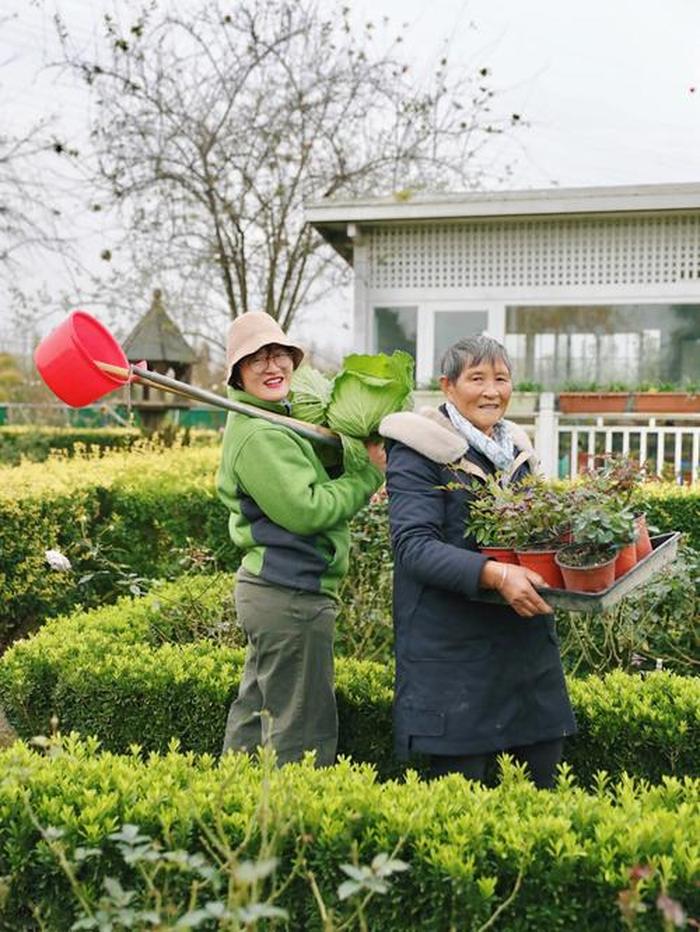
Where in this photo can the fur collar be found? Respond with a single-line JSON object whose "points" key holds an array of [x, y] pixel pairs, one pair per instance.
{"points": [[429, 432]]}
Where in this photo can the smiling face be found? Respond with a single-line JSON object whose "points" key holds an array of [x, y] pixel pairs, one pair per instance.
{"points": [[480, 393], [267, 374]]}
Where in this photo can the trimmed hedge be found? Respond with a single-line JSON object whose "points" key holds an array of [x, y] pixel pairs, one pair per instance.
{"points": [[124, 519], [108, 673], [35, 444], [32, 443], [121, 520], [561, 859], [674, 508]]}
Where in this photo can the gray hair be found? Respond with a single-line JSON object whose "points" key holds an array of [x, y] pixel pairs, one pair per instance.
{"points": [[471, 351]]}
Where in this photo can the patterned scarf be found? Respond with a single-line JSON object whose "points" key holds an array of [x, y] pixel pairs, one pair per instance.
{"points": [[498, 448]]}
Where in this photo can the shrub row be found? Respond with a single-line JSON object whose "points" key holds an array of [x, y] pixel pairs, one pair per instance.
{"points": [[125, 518], [674, 508], [108, 673], [32, 443], [120, 519], [35, 444], [565, 859]]}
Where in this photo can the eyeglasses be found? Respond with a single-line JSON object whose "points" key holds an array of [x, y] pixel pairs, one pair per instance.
{"points": [[282, 358]]}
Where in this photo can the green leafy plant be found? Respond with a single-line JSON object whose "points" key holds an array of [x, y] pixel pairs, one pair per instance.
{"points": [[311, 395], [365, 390], [495, 514], [555, 860], [598, 531], [614, 477], [542, 514], [527, 385], [84, 667]]}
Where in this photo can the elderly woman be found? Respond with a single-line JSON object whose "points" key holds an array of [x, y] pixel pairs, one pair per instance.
{"points": [[290, 521], [472, 678]]}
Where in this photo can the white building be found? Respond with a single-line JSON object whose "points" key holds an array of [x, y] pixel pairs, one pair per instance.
{"points": [[583, 285]]}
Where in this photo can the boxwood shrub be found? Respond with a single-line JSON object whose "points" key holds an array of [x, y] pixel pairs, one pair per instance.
{"points": [[121, 519], [33, 443], [127, 518], [109, 673], [564, 859]]}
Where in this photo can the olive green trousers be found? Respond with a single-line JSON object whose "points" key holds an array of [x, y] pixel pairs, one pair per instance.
{"points": [[286, 697]]}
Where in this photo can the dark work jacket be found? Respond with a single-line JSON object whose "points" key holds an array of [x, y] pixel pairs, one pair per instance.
{"points": [[471, 677]]}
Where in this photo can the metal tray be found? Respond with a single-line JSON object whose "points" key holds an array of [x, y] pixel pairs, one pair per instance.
{"points": [[665, 548]]}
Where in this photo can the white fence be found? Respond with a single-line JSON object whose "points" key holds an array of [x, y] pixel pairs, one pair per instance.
{"points": [[567, 444]]}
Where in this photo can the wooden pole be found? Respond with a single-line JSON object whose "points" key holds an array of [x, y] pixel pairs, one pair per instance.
{"points": [[164, 383]]}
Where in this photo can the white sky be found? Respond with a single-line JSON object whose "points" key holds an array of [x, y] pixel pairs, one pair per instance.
{"points": [[610, 88]]}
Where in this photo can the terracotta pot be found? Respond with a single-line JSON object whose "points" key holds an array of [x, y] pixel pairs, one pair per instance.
{"points": [[643, 542], [588, 578], [501, 554], [666, 403], [625, 560], [542, 562], [593, 402]]}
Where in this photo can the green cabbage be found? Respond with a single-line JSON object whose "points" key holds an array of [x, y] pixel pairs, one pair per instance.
{"points": [[365, 390], [354, 402], [311, 393]]}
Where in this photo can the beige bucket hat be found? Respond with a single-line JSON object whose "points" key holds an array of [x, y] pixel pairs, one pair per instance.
{"points": [[250, 332]]}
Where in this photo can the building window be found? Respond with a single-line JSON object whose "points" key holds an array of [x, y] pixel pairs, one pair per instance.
{"points": [[451, 326], [395, 328], [626, 345]]}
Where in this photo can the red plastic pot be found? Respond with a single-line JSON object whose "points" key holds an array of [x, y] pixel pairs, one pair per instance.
{"points": [[67, 357], [588, 578], [625, 560], [501, 554], [643, 542], [542, 562]]}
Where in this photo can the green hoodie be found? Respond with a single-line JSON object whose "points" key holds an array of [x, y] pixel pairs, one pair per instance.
{"points": [[288, 516]]}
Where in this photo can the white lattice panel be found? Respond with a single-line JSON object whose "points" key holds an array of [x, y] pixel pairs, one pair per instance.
{"points": [[537, 253]]}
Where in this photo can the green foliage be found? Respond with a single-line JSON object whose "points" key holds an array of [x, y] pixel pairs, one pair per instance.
{"points": [[36, 444], [110, 673], [554, 860], [364, 628], [365, 390], [535, 513], [598, 530], [311, 394], [670, 507], [655, 625], [121, 520], [124, 519]]}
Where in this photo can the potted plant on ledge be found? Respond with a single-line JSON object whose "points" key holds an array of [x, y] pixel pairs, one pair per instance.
{"points": [[667, 398], [595, 399]]}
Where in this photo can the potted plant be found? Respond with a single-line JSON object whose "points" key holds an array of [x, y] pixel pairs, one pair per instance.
{"points": [[667, 398], [591, 398], [524, 400], [619, 479], [541, 522], [492, 520], [599, 531]]}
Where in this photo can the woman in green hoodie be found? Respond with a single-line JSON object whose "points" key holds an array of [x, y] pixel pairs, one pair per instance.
{"points": [[289, 519]]}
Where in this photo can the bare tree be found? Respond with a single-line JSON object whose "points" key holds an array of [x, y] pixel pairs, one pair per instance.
{"points": [[213, 128], [26, 219], [29, 215]]}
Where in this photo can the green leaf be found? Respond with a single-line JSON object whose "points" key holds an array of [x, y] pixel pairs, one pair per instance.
{"points": [[367, 389]]}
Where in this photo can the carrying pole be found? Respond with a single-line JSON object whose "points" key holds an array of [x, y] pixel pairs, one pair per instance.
{"points": [[165, 383]]}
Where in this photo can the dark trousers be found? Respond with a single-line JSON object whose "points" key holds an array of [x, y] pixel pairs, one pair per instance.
{"points": [[286, 695], [541, 760]]}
